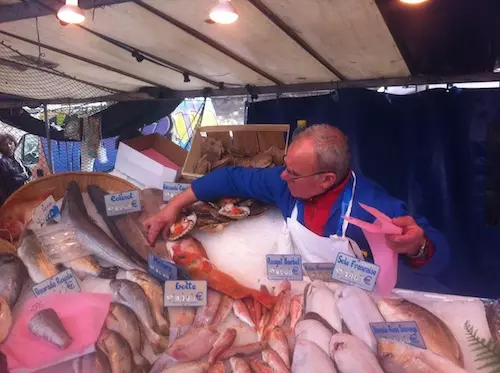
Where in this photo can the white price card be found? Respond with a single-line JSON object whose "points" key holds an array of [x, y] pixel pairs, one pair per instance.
{"points": [[46, 211], [123, 203], [355, 272], [63, 282], [284, 267], [170, 190], [185, 294], [399, 331]]}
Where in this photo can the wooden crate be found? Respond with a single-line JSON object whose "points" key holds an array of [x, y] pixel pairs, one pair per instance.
{"points": [[252, 138]]}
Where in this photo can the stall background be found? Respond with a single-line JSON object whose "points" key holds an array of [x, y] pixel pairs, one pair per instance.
{"points": [[428, 149]]}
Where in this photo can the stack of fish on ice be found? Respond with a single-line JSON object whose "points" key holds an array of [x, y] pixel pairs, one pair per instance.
{"points": [[323, 328]]}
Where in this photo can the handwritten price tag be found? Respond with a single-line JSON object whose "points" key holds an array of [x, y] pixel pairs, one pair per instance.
{"points": [[355, 272], [122, 203], [284, 267], [63, 282], [185, 294], [403, 331]]}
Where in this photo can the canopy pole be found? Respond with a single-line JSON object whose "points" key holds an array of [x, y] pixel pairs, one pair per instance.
{"points": [[49, 142]]}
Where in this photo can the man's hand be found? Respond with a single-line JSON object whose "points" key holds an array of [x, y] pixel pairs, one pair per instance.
{"points": [[161, 223], [408, 242]]}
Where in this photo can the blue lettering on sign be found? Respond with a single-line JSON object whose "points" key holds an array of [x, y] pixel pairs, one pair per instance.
{"points": [[122, 203], [161, 269], [402, 331], [284, 267], [185, 293], [186, 285], [62, 282], [355, 272]]}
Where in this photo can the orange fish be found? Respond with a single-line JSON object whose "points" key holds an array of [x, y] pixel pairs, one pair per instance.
{"points": [[187, 244], [16, 214], [200, 268]]}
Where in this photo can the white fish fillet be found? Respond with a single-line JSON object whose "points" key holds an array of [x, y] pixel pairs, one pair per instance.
{"points": [[358, 310], [309, 358], [320, 299], [352, 355], [314, 331]]}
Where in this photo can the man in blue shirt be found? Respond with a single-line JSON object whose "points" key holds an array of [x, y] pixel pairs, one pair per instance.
{"points": [[314, 191]]}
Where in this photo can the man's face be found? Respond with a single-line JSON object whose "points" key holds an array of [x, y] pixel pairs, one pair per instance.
{"points": [[8, 147], [301, 173]]}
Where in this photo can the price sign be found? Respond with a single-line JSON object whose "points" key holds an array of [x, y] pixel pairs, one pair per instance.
{"points": [[161, 269], [63, 282], [46, 211], [284, 267], [402, 331], [122, 203], [185, 294], [170, 190], [355, 272]]}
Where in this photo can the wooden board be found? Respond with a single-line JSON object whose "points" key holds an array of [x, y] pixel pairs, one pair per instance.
{"points": [[253, 37], [350, 34], [80, 42]]}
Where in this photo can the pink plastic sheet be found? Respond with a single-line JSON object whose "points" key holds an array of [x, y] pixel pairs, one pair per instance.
{"points": [[383, 256], [82, 314]]}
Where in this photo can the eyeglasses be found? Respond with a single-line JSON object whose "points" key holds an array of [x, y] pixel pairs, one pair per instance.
{"points": [[291, 177]]}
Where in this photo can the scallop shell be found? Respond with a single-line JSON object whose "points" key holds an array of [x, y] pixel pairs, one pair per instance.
{"points": [[228, 211], [187, 223]]}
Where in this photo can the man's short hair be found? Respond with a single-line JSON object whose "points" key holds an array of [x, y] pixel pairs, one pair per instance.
{"points": [[331, 147]]}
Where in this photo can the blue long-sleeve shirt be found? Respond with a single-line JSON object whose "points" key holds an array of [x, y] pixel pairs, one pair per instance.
{"points": [[266, 185]]}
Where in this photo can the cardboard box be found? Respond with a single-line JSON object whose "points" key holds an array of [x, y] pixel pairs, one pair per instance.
{"points": [[252, 138], [147, 171]]}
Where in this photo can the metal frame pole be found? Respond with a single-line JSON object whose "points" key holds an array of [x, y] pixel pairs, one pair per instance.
{"points": [[49, 142]]}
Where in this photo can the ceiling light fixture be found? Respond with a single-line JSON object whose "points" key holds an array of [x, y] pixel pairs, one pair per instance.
{"points": [[71, 12], [224, 13], [413, 1]]}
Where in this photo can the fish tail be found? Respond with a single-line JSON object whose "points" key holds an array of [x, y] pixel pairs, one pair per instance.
{"points": [[267, 300], [108, 273]]}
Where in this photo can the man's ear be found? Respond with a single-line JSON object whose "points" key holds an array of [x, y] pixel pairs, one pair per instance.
{"points": [[330, 179]]}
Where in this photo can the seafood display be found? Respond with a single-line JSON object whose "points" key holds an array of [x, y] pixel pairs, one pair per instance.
{"points": [[310, 327]]}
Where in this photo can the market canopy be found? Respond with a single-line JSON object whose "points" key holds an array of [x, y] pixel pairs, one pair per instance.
{"points": [[169, 47]]}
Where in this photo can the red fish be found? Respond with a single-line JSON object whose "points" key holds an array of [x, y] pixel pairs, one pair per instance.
{"points": [[186, 244], [200, 268]]}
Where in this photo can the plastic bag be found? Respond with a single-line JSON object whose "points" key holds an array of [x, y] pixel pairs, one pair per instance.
{"points": [[82, 314]]}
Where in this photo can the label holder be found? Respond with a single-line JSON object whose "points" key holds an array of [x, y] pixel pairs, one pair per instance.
{"points": [[63, 282], [355, 272], [123, 203], [185, 294], [284, 267], [406, 332]]}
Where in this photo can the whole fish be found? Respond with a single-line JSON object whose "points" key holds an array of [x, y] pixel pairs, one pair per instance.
{"points": [[358, 310], [131, 295], [250, 305], [123, 229], [116, 348], [225, 340], [279, 343], [47, 325], [218, 367], [295, 310], [154, 293], [265, 315], [5, 319], [284, 285], [163, 362], [206, 315], [195, 344], [191, 367], [96, 217], [353, 355], [493, 317], [258, 366], [13, 275], [244, 350], [314, 316], [87, 233], [38, 265], [88, 265], [309, 358], [225, 307], [318, 298], [239, 365], [181, 320], [437, 336], [397, 357], [241, 311], [280, 312], [274, 361], [314, 331], [123, 320], [199, 268], [96, 362]]}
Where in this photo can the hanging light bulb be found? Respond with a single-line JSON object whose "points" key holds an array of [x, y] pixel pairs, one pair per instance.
{"points": [[71, 12], [413, 1], [224, 12]]}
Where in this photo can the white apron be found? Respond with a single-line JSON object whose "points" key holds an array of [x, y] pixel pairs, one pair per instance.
{"points": [[318, 249]]}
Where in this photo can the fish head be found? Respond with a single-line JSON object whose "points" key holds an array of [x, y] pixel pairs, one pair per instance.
{"points": [[186, 259]]}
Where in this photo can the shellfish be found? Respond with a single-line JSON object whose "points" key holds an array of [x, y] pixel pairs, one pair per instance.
{"points": [[182, 227]]}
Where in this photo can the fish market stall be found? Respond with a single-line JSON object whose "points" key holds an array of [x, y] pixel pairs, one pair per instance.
{"points": [[84, 289]]}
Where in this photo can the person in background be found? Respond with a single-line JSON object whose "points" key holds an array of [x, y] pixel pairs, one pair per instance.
{"points": [[13, 174], [314, 190]]}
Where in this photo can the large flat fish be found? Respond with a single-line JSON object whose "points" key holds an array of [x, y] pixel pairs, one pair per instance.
{"points": [[397, 357], [47, 325], [320, 299], [493, 317], [38, 265], [358, 310], [13, 275], [96, 362], [200, 268], [181, 319], [437, 336], [87, 234], [314, 331], [309, 358], [122, 227], [193, 345], [352, 355], [116, 348]]}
